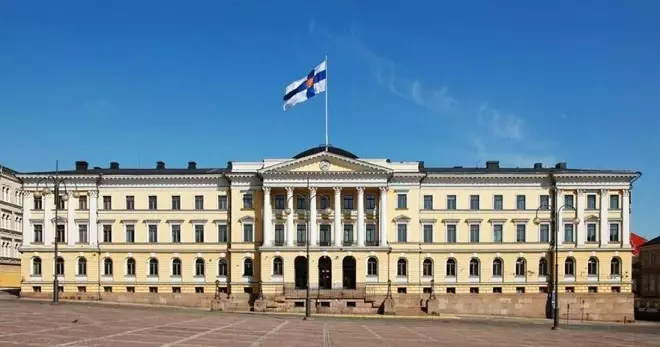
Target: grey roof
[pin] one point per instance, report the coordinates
(132, 171)
(516, 170)
(650, 242)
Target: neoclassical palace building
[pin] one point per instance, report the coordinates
(372, 225)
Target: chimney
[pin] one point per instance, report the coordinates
(81, 165)
(160, 165)
(492, 164)
(192, 165)
(538, 166)
(114, 165)
(561, 165)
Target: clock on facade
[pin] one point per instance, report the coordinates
(324, 165)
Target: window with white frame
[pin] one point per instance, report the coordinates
(402, 232)
(591, 202)
(372, 266)
(451, 233)
(248, 267)
(402, 268)
(199, 233)
(371, 236)
(497, 267)
(130, 267)
(279, 234)
(107, 267)
(200, 267)
(82, 267)
(569, 267)
(592, 267)
(278, 266)
(176, 267)
(544, 232)
(521, 232)
(38, 231)
(474, 233)
(474, 267)
(428, 202)
(223, 233)
(428, 233)
(248, 232)
(130, 233)
(615, 267)
(521, 267)
(614, 202)
(153, 267)
(36, 266)
(82, 233)
(614, 232)
(176, 233)
(427, 268)
(569, 233)
(402, 201)
(153, 233)
(450, 268)
(498, 231)
(592, 233)
(223, 267)
(543, 267)
(247, 200)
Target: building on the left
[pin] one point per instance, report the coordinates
(11, 221)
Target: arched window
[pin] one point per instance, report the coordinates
(199, 267)
(107, 267)
(59, 266)
(427, 267)
(615, 267)
(176, 267)
(130, 267)
(372, 266)
(153, 267)
(248, 267)
(451, 267)
(278, 266)
(36, 266)
(474, 267)
(592, 266)
(521, 267)
(497, 267)
(82, 266)
(569, 267)
(402, 267)
(543, 267)
(222, 267)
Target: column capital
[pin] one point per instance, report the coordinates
(360, 190)
(560, 191)
(580, 192)
(383, 190)
(337, 190)
(289, 190)
(603, 192)
(26, 193)
(626, 192)
(312, 190)
(94, 193)
(266, 190)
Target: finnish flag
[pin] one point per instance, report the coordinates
(305, 88)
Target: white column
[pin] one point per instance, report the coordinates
(625, 216)
(338, 229)
(360, 217)
(312, 216)
(559, 222)
(93, 215)
(383, 216)
(581, 236)
(289, 218)
(72, 235)
(48, 227)
(28, 235)
(268, 216)
(604, 229)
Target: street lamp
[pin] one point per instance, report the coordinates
(555, 245)
(56, 181)
(288, 211)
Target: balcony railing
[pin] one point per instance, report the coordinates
(291, 292)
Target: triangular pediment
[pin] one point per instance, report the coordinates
(325, 162)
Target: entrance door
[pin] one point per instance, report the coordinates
(325, 273)
(300, 266)
(349, 272)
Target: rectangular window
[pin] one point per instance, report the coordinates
(474, 202)
(569, 233)
(301, 234)
(223, 233)
(176, 233)
(61, 204)
(130, 202)
(279, 202)
(428, 202)
(301, 203)
(614, 202)
(222, 202)
(614, 232)
(474, 233)
(60, 233)
(153, 233)
(348, 202)
(107, 233)
(591, 202)
(544, 202)
(568, 201)
(82, 233)
(402, 201)
(38, 203)
(199, 233)
(520, 202)
(107, 202)
(451, 233)
(451, 202)
(348, 234)
(591, 232)
(326, 236)
(38, 230)
(369, 203)
(130, 233)
(544, 231)
(498, 202)
(247, 201)
(428, 233)
(498, 230)
(402, 232)
(153, 203)
(199, 202)
(521, 232)
(82, 202)
(371, 236)
(279, 234)
(325, 202)
(248, 234)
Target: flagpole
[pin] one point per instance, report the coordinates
(326, 101)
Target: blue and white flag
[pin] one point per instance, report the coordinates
(305, 88)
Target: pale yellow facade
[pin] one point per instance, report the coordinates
(371, 223)
(11, 220)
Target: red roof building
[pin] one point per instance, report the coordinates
(635, 242)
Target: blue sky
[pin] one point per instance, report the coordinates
(449, 83)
